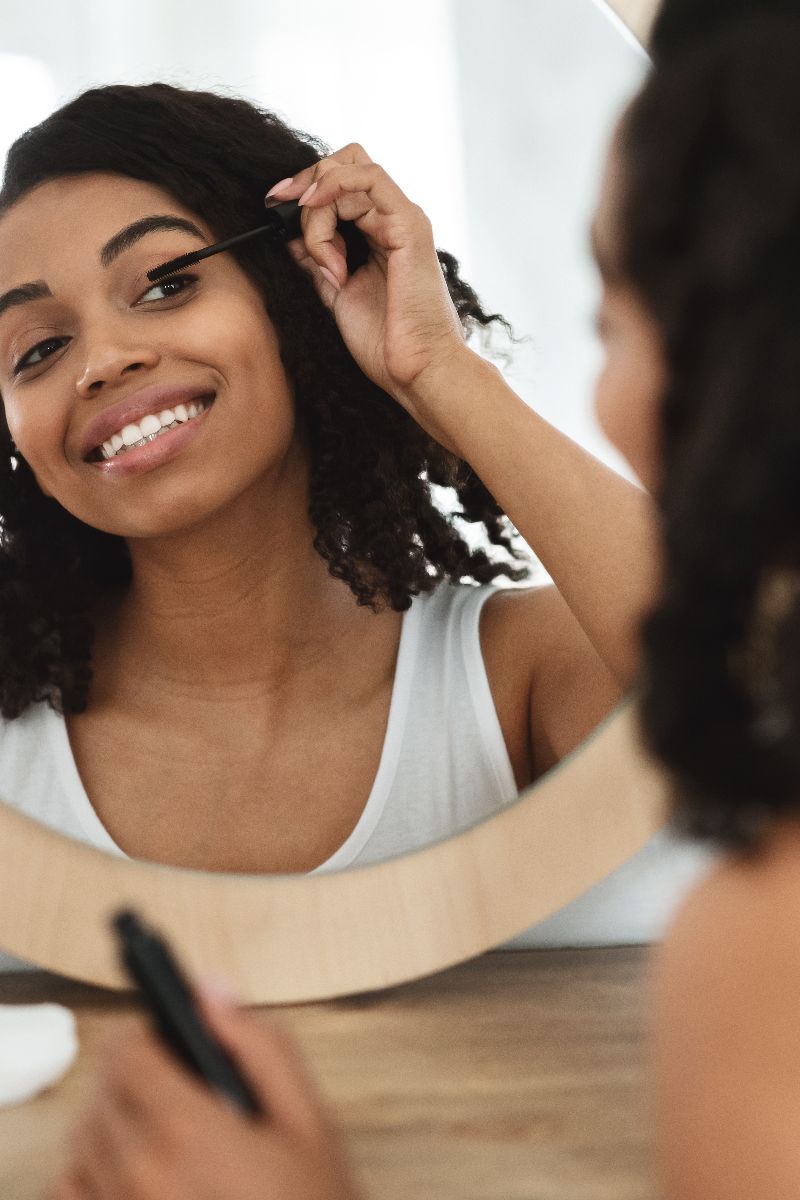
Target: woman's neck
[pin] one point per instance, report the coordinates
(242, 601)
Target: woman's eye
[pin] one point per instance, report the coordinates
(173, 285)
(38, 353)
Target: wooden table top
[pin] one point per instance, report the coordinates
(516, 1076)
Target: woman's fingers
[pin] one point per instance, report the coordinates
(365, 194)
(328, 264)
(112, 1143)
(348, 186)
(326, 280)
(152, 1090)
(68, 1186)
(272, 1062)
(293, 187)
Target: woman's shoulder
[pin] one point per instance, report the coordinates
(505, 610)
(752, 900)
(724, 1001)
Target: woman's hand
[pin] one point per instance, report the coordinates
(155, 1132)
(395, 314)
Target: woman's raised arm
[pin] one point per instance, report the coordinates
(594, 532)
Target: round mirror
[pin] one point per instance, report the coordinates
(405, 848)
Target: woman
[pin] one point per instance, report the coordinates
(696, 237)
(233, 648)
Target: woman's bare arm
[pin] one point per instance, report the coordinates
(595, 533)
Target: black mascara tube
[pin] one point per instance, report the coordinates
(148, 960)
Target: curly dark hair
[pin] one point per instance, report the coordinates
(681, 23)
(709, 240)
(371, 466)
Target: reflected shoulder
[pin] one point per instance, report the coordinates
(724, 998)
(567, 687)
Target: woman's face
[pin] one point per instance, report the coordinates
(632, 379)
(89, 349)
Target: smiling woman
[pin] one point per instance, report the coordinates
(213, 520)
(236, 631)
(173, 339)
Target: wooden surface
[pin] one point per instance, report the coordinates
(517, 1076)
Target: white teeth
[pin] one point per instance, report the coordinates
(130, 434)
(148, 425)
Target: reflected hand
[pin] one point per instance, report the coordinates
(155, 1131)
(395, 313)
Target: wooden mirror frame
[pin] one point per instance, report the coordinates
(290, 938)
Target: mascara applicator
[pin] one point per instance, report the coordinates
(283, 224)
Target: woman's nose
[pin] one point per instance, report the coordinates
(108, 364)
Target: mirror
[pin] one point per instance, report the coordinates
(284, 939)
(565, 67)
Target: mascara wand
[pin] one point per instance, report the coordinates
(283, 224)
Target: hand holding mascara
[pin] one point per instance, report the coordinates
(395, 313)
(150, 964)
(155, 1134)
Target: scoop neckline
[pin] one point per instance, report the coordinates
(355, 841)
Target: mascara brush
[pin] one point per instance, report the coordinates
(283, 224)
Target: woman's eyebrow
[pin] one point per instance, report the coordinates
(127, 237)
(37, 290)
(131, 234)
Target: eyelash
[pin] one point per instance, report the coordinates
(22, 364)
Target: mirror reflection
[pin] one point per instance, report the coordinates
(260, 613)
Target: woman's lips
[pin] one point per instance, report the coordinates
(138, 459)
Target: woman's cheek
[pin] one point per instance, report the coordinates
(40, 443)
(607, 400)
(626, 405)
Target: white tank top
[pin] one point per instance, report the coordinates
(444, 764)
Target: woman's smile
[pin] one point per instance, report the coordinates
(157, 412)
(155, 440)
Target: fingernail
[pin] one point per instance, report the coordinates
(218, 989)
(281, 186)
(308, 193)
(331, 278)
